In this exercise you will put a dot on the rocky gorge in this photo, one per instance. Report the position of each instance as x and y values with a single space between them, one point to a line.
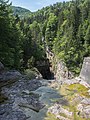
66 98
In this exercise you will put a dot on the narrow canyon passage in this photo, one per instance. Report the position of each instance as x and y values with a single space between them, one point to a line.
43 67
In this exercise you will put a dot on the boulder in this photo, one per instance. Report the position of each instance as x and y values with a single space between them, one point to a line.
58 109
84 111
85 71
10 75
86 101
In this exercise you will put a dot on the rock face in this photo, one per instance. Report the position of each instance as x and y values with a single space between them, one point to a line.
84 108
62 71
12 82
57 109
76 93
85 71
20 99
9 77
6 76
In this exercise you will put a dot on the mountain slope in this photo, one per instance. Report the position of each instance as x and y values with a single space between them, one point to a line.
21 12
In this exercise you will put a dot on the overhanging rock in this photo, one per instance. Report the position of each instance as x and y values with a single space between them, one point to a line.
85 71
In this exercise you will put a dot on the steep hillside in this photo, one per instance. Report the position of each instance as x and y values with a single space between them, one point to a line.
65 29
62 29
21 12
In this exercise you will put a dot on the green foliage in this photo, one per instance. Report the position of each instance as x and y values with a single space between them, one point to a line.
31 62
9 37
50 32
30 74
72 43
21 12
63 27
32 44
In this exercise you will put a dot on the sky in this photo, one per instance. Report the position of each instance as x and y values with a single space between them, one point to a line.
34 5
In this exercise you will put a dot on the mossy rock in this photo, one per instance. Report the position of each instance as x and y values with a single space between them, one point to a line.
80 89
71 93
50 117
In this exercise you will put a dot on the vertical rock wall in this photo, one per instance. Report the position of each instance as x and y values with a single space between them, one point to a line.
62 71
85 71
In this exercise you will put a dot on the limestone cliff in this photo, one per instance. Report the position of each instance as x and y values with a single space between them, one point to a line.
85 71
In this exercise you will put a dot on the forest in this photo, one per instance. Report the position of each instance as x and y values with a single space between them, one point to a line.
63 27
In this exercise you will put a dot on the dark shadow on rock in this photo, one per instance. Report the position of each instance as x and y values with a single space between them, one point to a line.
43 67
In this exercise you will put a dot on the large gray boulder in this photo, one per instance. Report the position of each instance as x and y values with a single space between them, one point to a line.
10 75
85 71
62 71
